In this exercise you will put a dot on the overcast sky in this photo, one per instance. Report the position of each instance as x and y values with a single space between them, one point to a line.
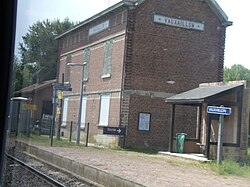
237 36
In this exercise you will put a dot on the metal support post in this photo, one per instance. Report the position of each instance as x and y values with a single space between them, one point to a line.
220 139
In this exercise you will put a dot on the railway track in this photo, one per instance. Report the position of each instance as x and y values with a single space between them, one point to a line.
22 170
46 178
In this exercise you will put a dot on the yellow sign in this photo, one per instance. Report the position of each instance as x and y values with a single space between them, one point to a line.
29 107
59 94
58 110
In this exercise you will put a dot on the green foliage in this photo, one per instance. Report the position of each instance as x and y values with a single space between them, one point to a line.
236 72
39 52
230 167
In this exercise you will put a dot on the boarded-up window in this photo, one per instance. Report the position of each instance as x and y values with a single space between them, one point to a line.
86 60
107 59
67 69
118 18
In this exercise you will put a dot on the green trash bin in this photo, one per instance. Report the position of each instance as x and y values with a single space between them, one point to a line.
180 141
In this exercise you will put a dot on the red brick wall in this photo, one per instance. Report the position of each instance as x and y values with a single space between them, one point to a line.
156 137
95 85
160 53
80 37
153 53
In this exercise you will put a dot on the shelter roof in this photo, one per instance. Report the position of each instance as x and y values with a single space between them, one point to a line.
33 87
201 94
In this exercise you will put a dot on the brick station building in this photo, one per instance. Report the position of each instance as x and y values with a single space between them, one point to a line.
134 55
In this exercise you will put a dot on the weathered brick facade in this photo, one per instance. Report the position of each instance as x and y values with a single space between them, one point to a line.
150 61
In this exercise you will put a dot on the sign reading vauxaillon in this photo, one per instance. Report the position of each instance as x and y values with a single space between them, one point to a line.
219 110
178 22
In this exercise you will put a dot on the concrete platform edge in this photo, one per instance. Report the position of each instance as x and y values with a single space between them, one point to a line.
86 171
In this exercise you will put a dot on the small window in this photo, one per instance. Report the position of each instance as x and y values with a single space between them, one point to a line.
81 35
104 110
107 59
118 19
144 120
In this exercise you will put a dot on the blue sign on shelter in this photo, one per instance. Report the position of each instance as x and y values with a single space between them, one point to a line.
219 110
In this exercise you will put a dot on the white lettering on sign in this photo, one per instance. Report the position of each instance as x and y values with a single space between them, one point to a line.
178 22
98 28
111 129
219 110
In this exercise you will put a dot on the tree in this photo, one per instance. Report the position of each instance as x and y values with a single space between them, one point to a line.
39 50
236 72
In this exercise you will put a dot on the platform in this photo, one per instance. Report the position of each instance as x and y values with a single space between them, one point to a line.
191 156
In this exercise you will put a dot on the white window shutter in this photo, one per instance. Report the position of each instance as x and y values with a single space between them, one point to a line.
83 114
104 110
65 111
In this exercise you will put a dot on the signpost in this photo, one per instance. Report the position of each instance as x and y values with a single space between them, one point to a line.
120 131
57 87
219 111
63 87
29 107
114 130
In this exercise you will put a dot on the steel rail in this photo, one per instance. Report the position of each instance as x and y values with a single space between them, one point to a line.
36 172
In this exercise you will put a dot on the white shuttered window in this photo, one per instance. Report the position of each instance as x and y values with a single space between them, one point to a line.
104 110
83 115
65 111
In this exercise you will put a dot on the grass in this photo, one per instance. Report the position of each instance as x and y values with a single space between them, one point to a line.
45 140
230 167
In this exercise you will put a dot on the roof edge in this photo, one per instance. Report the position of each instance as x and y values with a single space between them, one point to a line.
96 16
219 12
212 4
36 86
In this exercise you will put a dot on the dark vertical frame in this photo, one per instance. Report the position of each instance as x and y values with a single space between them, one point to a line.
239 122
8 10
171 135
208 133
199 122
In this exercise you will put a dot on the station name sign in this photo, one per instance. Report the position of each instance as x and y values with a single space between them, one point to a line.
98 28
175 22
219 110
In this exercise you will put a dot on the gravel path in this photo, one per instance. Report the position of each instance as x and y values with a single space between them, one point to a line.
149 170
